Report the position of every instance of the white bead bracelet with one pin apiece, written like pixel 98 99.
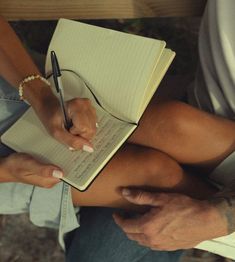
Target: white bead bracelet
pixel 29 79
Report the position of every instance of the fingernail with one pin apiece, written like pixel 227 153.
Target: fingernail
pixel 126 192
pixel 71 148
pixel 97 125
pixel 87 149
pixel 57 174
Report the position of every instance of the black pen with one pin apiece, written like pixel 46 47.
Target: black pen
pixel 59 89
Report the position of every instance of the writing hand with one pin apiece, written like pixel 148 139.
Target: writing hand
pixel 83 117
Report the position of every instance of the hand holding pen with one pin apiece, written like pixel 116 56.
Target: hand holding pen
pixel 60 90
pixel 75 129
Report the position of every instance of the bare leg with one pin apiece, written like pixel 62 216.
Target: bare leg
pixel 188 135
pixel 142 167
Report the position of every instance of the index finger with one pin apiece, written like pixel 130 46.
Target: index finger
pixel 84 125
pixel 74 142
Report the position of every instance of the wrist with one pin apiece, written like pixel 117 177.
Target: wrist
pixel 225 206
pixel 37 93
pixel 5 173
pixel 214 222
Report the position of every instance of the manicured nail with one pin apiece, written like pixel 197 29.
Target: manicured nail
pixel 87 149
pixel 126 192
pixel 97 125
pixel 57 174
pixel 71 148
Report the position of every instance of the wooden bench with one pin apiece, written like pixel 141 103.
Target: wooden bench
pixel 98 9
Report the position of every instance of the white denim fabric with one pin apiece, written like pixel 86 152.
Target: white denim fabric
pixel 51 208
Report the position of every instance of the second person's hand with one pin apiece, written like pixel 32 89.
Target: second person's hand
pixel 23 168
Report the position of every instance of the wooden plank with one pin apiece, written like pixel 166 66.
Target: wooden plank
pixel 98 9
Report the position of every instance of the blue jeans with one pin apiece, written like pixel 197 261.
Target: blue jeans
pixel 99 239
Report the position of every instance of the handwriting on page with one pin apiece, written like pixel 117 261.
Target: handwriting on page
pixel 79 167
pixel 109 134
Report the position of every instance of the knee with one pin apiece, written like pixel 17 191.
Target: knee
pixel 178 113
pixel 179 119
pixel 161 170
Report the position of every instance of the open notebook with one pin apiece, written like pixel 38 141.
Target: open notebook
pixel 121 70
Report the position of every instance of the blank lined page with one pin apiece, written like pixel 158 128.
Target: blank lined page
pixel 116 65
pixel 159 72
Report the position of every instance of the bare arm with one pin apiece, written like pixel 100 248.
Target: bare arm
pixel 16 64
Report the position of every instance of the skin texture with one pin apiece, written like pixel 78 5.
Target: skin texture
pixel 224 201
pixel 173 221
pixel 14 67
pixel 31 172
pixel 140 167
pixel 170 135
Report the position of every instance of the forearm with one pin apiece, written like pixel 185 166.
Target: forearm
pixel 16 64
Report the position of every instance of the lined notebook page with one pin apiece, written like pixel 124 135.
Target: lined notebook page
pixel 115 64
pixel 159 72
pixel 29 135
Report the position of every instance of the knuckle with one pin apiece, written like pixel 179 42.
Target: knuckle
pixel 56 133
pixel 46 184
pixel 130 236
pixel 139 197
pixel 75 101
pixel 82 102
pixel 46 171
pixel 156 248
pixel 90 132
pixel 31 162
pixel 49 186
pixel 25 157
pixel 144 228
pixel 21 154
pixel 86 101
pixel 83 128
pixel 164 197
pixel 153 242
pixel 93 111
pixel 76 144
pixel 93 130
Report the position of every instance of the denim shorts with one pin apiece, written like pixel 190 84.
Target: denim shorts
pixel 46 207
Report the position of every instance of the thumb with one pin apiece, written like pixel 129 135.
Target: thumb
pixel 141 197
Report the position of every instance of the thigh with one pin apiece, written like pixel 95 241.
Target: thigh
pixel 187 134
pixel 142 167
pixel 99 239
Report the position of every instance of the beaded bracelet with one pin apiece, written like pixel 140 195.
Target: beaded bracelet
pixel 29 79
